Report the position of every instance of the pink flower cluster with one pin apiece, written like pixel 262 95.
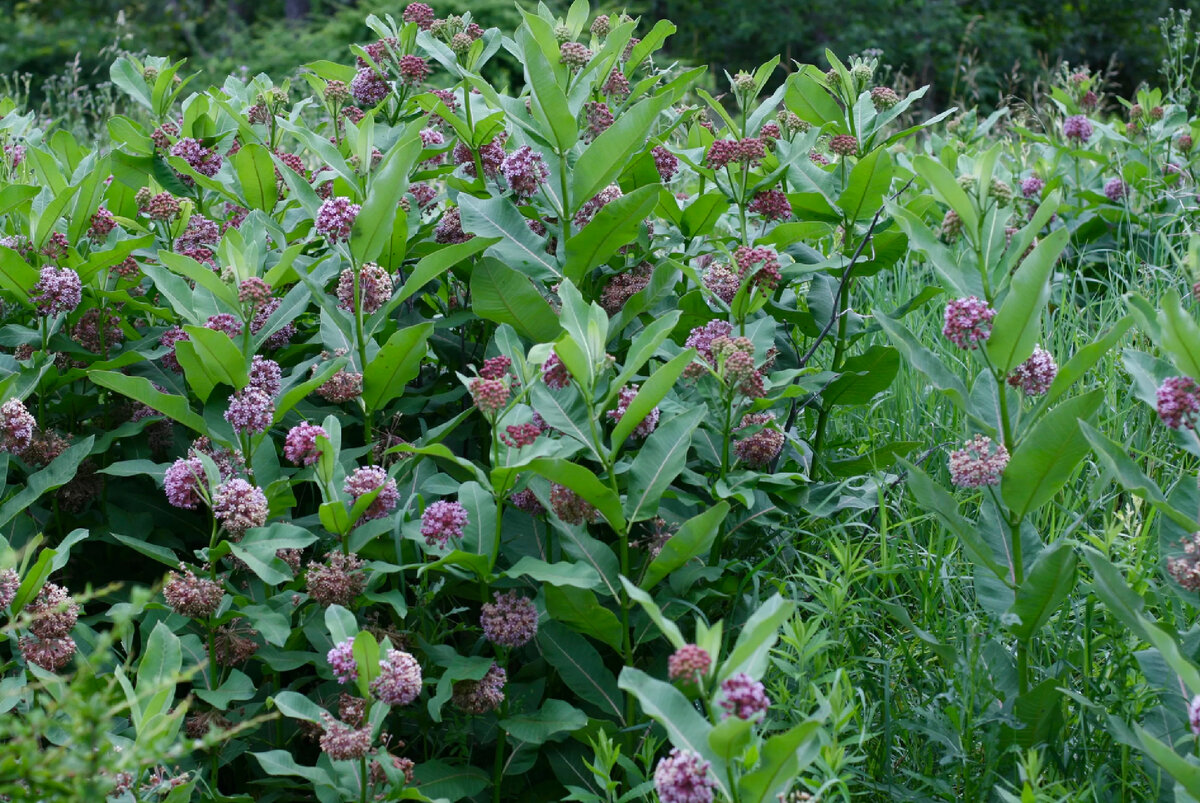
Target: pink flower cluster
pixel 16 426
pixel 1178 402
pixel 689 664
pixel 524 170
pixel 239 506
pixel 760 449
pixel 968 322
pixel 978 463
pixel 684 777
pixel 57 290
pixel 1035 375
pixel 300 446
pixel 724 152
pixel 189 595
pixel 367 479
pixel 337 581
pixel 336 218
pixel 767 275
pixel 481 696
pixel 251 410
pixel 341 661
pixel 570 506
pixel 1078 128
pixel 772 205
pixel 399 681
pixel 554 373
pixel 374 288
pixel 743 697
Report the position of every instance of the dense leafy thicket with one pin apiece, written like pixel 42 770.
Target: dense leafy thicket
pixel 402 434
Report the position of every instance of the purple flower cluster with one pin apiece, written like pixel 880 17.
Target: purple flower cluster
pixel 844 145
pixel 978 463
pixel 724 152
pixel 1035 375
pixel 399 681
pixel 205 161
pixel 743 697
pixel 421 14
pixel 182 482
pixel 968 322
pixel 449 229
pixel 336 218
pixel 1032 187
pixel 554 373
pixel 413 70
pixel 16 426
pixel 701 339
pixel 266 375
pixel 625 398
pixel 1185 568
pixel 369 88
pixel 772 205
pixel 597 202
pixel 57 290
pixel 251 410
pixel 1078 128
pixel 103 222
pixel 525 170
pixel 1178 402
pixel 367 479
pixel 665 162
pixel 1115 189
pixel 342 742
pixel 489 395
pixel 766 274
pixel 761 448
pixel 300 446
pixel 341 661
pixel 442 521
pixel 239 506
pixel 10 581
pixel 510 621
pixel 684 777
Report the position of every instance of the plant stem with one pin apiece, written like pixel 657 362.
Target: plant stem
pixel 498 764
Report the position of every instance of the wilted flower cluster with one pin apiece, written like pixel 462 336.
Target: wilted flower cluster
pixel 978 463
pixel 481 696
pixel 510 621
pixel 189 595
pixel 1185 568
pixel 337 581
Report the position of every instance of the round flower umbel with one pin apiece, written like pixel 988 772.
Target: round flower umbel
pixel 189 595
pixel 1185 568
pixel 399 681
pixel 554 373
pixel 510 621
pixel 760 449
pixel 369 88
pixel 343 743
pixel 183 483
pixel 1077 128
pixel 266 375
pixel 684 777
pixel 1115 189
pixel 239 506
pixel 54 612
pixel 978 463
pixel 1032 187
pixel 10 581
pixel 489 395
pixel 743 697
pixel 341 661
pixel 16 426
pixel 968 322
pixel 689 664
pixel 1035 375
pixel 570 506
pixel 374 288
pixel 525 171
pixel 365 480
pixel 442 521
pixel 336 218
pixel 300 446
pixel 57 290
pixel 251 410
pixel 1178 402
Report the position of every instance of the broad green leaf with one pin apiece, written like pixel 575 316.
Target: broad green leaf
pixel 1116 459
pixel 516 245
pixel 1121 600
pixel 691 541
pixel 863 377
pixel 579 608
pixel 1047 455
pixel 756 638
pixel 1019 319
pixel 702 214
pixel 608 154
pixel 868 183
pixel 581 668
pixel 298 706
pixel 561 573
pixel 373 226
pixel 433 265
pixel 652 391
pixel 395 365
pixel 502 295
pixel 947 190
pixel 658 462
pixel 668 628
pixel 1183 769
pixel 60 471
pixel 256 173
pixel 141 389
pixel 583 482
pixel 366 657
pixel 235 689
pixel 280 762
pixel 221 358
pixel 552 720
pixel 784 757
pixel 934 499
pixel 1049 581
pixel 613 227
pixel 1180 335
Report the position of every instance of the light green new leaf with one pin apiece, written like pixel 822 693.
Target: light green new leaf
pixel 1044 459
pixel 1019 320
pixel 1050 580
pixel 397 363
